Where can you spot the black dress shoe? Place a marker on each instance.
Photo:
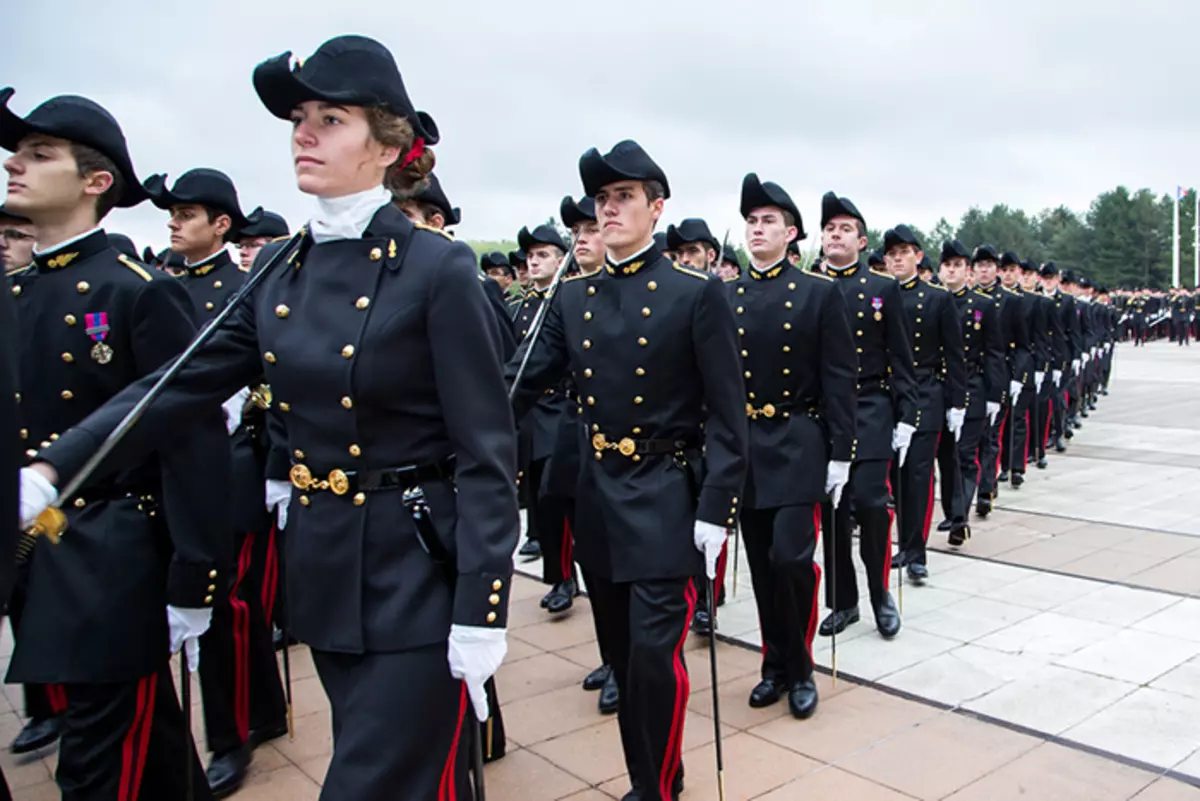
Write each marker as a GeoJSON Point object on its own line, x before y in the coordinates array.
{"type": "Point", "coordinates": [37, 734]}
{"type": "Point", "coordinates": [962, 533]}
{"type": "Point", "coordinates": [1017, 479]}
{"type": "Point", "coordinates": [1078, 424]}
{"type": "Point", "coordinates": [900, 559]}
{"type": "Point", "coordinates": [597, 678]}
{"type": "Point", "coordinates": [836, 622]}
{"type": "Point", "coordinates": [982, 509]}
{"type": "Point", "coordinates": [532, 549]}
{"type": "Point", "coordinates": [1042, 464]}
{"type": "Point", "coordinates": [265, 734]}
{"type": "Point", "coordinates": [1082, 413]}
{"type": "Point", "coordinates": [701, 624]}
{"type": "Point", "coordinates": [802, 699]}
{"type": "Point", "coordinates": [1092, 405]}
{"type": "Point", "coordinates": [946, 525]}
{"type": "Point", "coordinates": [1059, 445]}
{"type": "Point", "coordinates": [767, 692]}
{"type": "Point", "coordinates": [1003, 476]}
{"type": "Point", "coordinates": [887, 618]}
{"type": "Point", "coordinates": [227, 771]}
{"type": "Point", "coordinates": [1070, 432]}
{"type": "Point", "coordinates": [562, 597]}
{"type": "Point", "coordinates": [610, 696]}
{"type": "Point", "coordinates": [917, 572]}
{"type": "Point", "coordinates": [1105, 390]}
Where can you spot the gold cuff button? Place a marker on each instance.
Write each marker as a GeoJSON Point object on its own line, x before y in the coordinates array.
{"type": "Point", "coordinates": [355, 450]}
{"type": "Point", "coordinates": [376, 254]}
{"type": "Point", "coordinates": [282, 311]}
{"type": "Point", "coordinates": [491, 617]}
{"type": "Point", "coordinates": [497, 584]}
{"type": "Point", "coordinates": [347, 402]}
{"type": "Point", "coordinates": [362, 303]}
{"type": "Point", "coordinates": [360, 498]}
{"type": "Point", "coordinates": [494, 599]}
{"type": "Point", "coordinates": [348, 352]}
{"type": "Point", "coordinates": [269, 357]}
{"type": "Point", "coordinates": [67, 394]}
{"type": "Point", "coordinates": [68, 358]}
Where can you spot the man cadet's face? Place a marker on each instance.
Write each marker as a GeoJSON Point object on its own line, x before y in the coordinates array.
{"type": "Point", "coordinates": [589, 246]}
{"type": "Point", "coordinates": [902, 261]}
{"type": "Point", "coordinates": [543, 262]}
{"type": "Point", "coordinates": [953, 273]}
{"type": "Point", "coordinates": [248, 249]}
{"type": "Point", "coordinates": [697, 255]}
{"type": "Point", "coordinates": [43, 175]}
{"type": "Point", "coordinates": [501, 276]}
{"type": "Point", "coordinates": [626, 217]}
{"type": "Point", "coordinates": [16, 243]}
{"type": "Point", "coordinates": [840, 240]}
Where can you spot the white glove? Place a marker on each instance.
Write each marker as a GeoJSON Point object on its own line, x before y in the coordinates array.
{"type": "Point", "coordinates": [837, 474]}
{"type": "Point", "coordinates": [1076, 365]}
{"type": "Point", "coordinates": [1014, 390]}
{"type": "Point", "coordinates": [1084, 357]}
{"type": "Point", "coordinates": [37, 493]}
{"type": "Point", "coordinates": [1056, 377]}
{"type": "Point", "coordinates": [475, 654]}
{"type": "Point", "coordinates": [1039, 376]}
{"type": "Point", "coordinates": [186, 626]}
{"type": "Point", "coordinates": [993, 411]}
{"type": "Point", "coordinates": [279, 497]}
{"type": "Point", "coordinates": [1093, 351]}
{"type": "Point", "coordinates": [709, 540]}
{"type": "Point", "coordinates": [902, 438]}
{"type": "Point", "coordinates": [954, 421]}
{"type": "Point", "coordinates": [233, 409]}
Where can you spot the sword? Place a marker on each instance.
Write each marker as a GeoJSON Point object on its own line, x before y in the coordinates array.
{"type": "Point", "coordinates": [712, 660]}
{"type": "Point", "coordinates": [185, 695]}
{"type": "Point", "coordinates": [535, 329]}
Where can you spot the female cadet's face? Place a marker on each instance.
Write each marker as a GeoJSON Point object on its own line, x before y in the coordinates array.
{"type": "Point", "coordinates": [334, 152]}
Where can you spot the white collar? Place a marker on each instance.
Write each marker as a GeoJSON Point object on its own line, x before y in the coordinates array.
{"type": "Point", "coordinates": [205, 260]}
{"type": "Point", "coordinates": [37, 251]}
{"type": "Point", "coordinates": [347, 217]}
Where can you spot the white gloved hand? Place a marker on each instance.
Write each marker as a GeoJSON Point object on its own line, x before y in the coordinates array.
{"type": "Point", "coordinates": [1076, 365]}
{"type": "Point", "coordinates": [1014, 390]}
{"type": "Point", "coordinates": [37, 493]}
{"type": "Point", "coordinates": [1039, 376]}
{"type": "Point", "coordinates": [475, 654]}
{"type": "Point", "coordinates": [1056, 377]}
{"type": "Point", "coordinates": [954, 421]}
{"type": "Point", "coordinates": [1093, 351]}
{"type": "Point", "coordinates": [993, 411]}
{"type": "Point", "coordinates": [1084, 357]}
{"type": "Point", "coordinates": [186, 626]}
{"type": "Point", "coordinates": [902, 438]}
{"type": "Point", "coordinates": [279, 497]}
{"type": "Point", "coordinates": [837, 474]}
{"type": "Point", "coordinates": [709, 540]}
{"type": "Point", "coordinates": [234, 408]}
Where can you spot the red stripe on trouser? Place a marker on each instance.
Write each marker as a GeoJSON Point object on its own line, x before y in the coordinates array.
{"type": "Point", "coordinates": [144, 741]}
{"type": "Point", "coordinates": [929, 503]}
{"type": "Point", "coordinates": [131, 746]}
{"type": "Point", "coordinates": [241, 642]}
{"type": "Point", "coordinates": [270, 578]}
{"type": "Point", "coordinates": [811, 631]}
{"type": "Point", "coordinates": [999, 448]}
{"type": "Point", "coordinates": [447, 789]}
{"type": "Point", "coordinates": [568, 555]}
{"type": "Point", "coordinates": [674, 752]}
{"type": "Point", "coordinates": [56, 695]}
{"type": "Point", "coordinates": [887, 553]}
{"type": "Point", "coordinates": [1049, 415]}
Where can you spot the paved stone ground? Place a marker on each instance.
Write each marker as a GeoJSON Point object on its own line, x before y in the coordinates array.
{"type": "Point", "coordinates": [1056, 656]}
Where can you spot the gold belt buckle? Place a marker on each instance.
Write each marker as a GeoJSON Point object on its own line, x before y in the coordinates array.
{"type": "Point", "coordinates": [599, 442]}
{"type": "Point", "coordinates": [626, 447]}
{"type": "Point", "coordinates": [301, 477]}
{"type": "Point", "coordinates": [768, 410]}
{"type": "Point", "coordinates": [339, 482]}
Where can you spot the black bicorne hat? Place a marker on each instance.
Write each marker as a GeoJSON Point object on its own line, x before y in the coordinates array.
{"type": "Point", "coordinates": [1029, 266]}
{"type": "Point", "coordinates": [730, 255]}
{"type": "Point", "coordinates": [77, 120]}
{"type": "Point", "coordinates": [692, 229]}
{"type": "Point", "coordinates": [875, 258]}
{"type": "Point", "coordinates": [900, 235]}
{"type": "Point", "coordinates": [204, 187]}
{"type": "Point", "coordinates": [542, 235]}
{"type": "Point", "coordinates": [660, 241]}
{"type": "Point", "coordinates": [627, 161]}
{"type": "Point", "coordinates": [794, 247]}
{"type": "Point", "coordinates": [1009, 258]}
{"type": "Point", "coordinates": [953, 249]}
{"type": "Point", "coordinates": [757, 194]}
{"type": "Point", "coordinates": [834, 206]}
{"type": "Point", "coordinates": [925, 263]}
{"type": "Point", "coordinates": [985, 253]}
{"type": "Point", "coordinates": [516, 257]}
{"type": "Point", "coordinates": [434, 195]}
{"type": "Point", "coordinates": [267, 223]}
{"type": "Point", "coordinates": [9, 214]}
{"type": "Point", "coordinates": [573, 213]}
{"type": "Point", "coordinates": [1049, 270]}
{"type": "Point", "coordinates": [346, 70]}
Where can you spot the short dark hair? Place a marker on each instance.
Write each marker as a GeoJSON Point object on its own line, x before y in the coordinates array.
{"type": "Point", "coordinates": [654, 190]}
{"type": "Point", "coordinates": [862, 228]}
{"type": "Point", "coordinates": [89, 160]}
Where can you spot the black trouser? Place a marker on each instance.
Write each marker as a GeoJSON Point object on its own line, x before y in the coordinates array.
{"type": "Point", "coordinates": [550, 516]}
{"type": "Point", "coordinates": [1045, 409]}
{"type": "Point", "coordinates": [401, 726]}
{"type": "Point", "coordinates": [126, 741]}
{"type": "Point", "coordinates": [601, 632]}
{"type": "Point", "coordinates": [868, 492]}
{"type": "Point", "coordinates": [239, 677]}
{"type": "Point", "coordinates": [780, 544]}
{"type": "Point", "coordinates": [1018, 438]}
{"type": "Point", "coordinates": [646, 625]}
{"type": "Point", "coordinates": [42, 701]}
{"type": "Point", "coordinates": [913, 485]}
{"type": "Point", "coordinates": [266, 574]}
{"type": "Point", "coordinates": [1059, 401]}
{"type": "Point", "coordinates": [988, 456]}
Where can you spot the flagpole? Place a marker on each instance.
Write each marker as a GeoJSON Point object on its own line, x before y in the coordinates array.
{"type": "Point", "coordinates": [1196, 244]}
{"type": "Point", "coordinates": [1175, 242]}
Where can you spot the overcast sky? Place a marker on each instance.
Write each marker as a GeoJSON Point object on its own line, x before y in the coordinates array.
{"type": "Point", "coordinates": [914, 109]}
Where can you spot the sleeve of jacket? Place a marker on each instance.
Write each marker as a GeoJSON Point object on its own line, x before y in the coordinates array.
{"type": "Point", "coordinates": [1042, 346]}
{"type": "Point", "coordinates": [508, 337]}
{"type": "Point", "coordinates": [995, 366]}
{"type": "Point", "coordinates": [279, 460]}
{"type": "Point", "coordinates": [1071, 325]}
{"type": "Point", "coordinates": [547, 363]}
{"type": "Point", "coordinates": [950, 330]}
{"type": "Point", "coordinates": [900, 355]}
{"type": "Point", "coordinates": [726, 429]}
{"type": "Point", "coordinates": [469, 377]}
{"type": "Point", "coordinates": [10, 446]}
{"type": "Point", "coordinates": [839, 384]}
{"type": "Point", "coordinates": [1062, 348]}
{"type": "Point", "coordinates": [1023, 357]}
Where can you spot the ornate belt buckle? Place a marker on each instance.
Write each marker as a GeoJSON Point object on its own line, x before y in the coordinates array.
{"type": "Point", "coordinates": [261, 396]}
{"type": "Point", "coordinates": [627, 447]}
{"type": "Point", "coordinates": [339, 482]}
{"type": "Point", "coordinates": [301, 477]}
{"type": "Point", "coordinates": [768, 410]}
{"type": "Point", "coordinates": [750, 410]}
{"type": "Point", "coordinates": [599, 442]}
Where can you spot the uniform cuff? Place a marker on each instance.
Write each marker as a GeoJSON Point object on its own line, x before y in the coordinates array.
{"type": "Point", "coordinates": [718, 507]}
{"type": "Point", "coordinates": [481, 599]}
{"type": "Point", "coordinates": [192, 585]}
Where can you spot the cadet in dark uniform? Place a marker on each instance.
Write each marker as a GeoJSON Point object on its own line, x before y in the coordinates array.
{"type": "Point", "coordinates": [239, 680]}
{"type": "Point", "coordinates": [941, 393]}
{"type": "Point", "coordinates": [520, 263]}
{"type": "Point", "coordinates": [1054, 357]}
{"type": "Point", "coordinates": [16, 240]}
{"type": "Point", "coordinates": [1015, 449]}
{"type": "Point", "coordinates": [652, 347]}
{"type": "Point", "coordinates": [266, 225]}
{"type": "Point", "coordinates": [146, 549]}
{"type": "Point", "coordinates": [10, 459]}
{"type": "Point", "coordinates": [730, 268]}
{"type": "Point", "coordinates": [800, 370]}
{"type": "Point", "coordinates": [496, 267]}
{"type": "Point", "coordinates": [1068, 323]}
{"type": "Point", "coordinates": [886, 418]}
{"type": "Point", "coordinates": [1180, 309]}
{"type": "Point", "coordinates": [987, 377]}
{"type": "Point", "coordinates": [404, 515]}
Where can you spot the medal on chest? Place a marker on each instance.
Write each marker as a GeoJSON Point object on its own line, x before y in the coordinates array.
{"type": "Point", "coordinates": [877, 305]}
{"type": "Point", "coordinates": [978, 317]}
{"type": "Point", "coordinates": [97, 331]}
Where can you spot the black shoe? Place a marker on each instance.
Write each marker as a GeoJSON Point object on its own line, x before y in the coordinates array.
{"type": "Point", "coordinates": [962, 533]}
{"type": "Point", "coordinates": [597, 678]}
{"type": "Point", "coordinates": [1092, 405]}
{"type": "Point", "coordinates": [1105, 390]}
{"type": "Point", "coordinates": [36, 734]}
{"type": "Point", "coordinates": [767, 692]}
{"type": "Point", "coordinates": [227, 771]}
{"type": "Point", "coordinates": [887, 619]}
{"type": "Point", "coordinates": [609, 696]}
{"type": "Point", "coordinates": [802, 699]}
{"type": "Point", "coordinates": [701, 624]}
{"type": "Point", "coordinates": [982, 509]}
{"type": "Point", "coordinates": [562, 597]}
{"type": "Point", "coordinates": [281, 640]}
{"type": "Point", "coordinates": [1059, 445]}
{"type": "Point", "coordinates": [917, 572]}
{"type": "Point", "coordinates": [1082, 413]}
{"type": "Point", "coordinates": [1003, 476]}
{"type": "Point", "coordinates": [1070, 432]}
{"type": "Point", "coordinates": [900, 559]}
{"type": "Point", "coordinates": [836, 622]}
{"type": "Point", "coordinates": [1017, 479]}
{"type": "Point", "coordinates": [532, 549]}
{"type": "Point", "coordinates": [946, 525]}
{"type": "Point", "coordinates": [1042, 464]}
{"type": "Point", "coordinates": [265, 734]}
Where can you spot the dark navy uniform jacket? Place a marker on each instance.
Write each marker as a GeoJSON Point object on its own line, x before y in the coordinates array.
{"type": "Point", "coordinates": [1014, 331]}
{"type": "Point", "coordinates": [983, 351]}
{"type": "Point", "coordinates": [937, 352]}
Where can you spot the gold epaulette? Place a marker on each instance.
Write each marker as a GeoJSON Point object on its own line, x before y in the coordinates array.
{"type": "Point", "coordinates": [691, 272]}
{"type": "Point", "coordinates": [811, 274]}
{"type": "Point", "coordinates": [1009, 291]}
{"type": "Point", "coordinates": [733, 280]}
{"type": "Point", "coordinates": [133, 265]}
{"type": "Point", "coordinates": [982, 294]}
{"type": "Point", "coordinates": [425, 227]}
{"type": "Point", "coordinates": [281, 238]}
{"type": "Point", "coordinates": [577, 277]}
{"type": "Point", "coordinates": [936, 286]}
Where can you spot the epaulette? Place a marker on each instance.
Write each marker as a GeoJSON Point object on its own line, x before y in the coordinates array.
{"type": "Point", "coordinates": [19, 271]}
{"type": "Point", "coordinates": [733, 280]}
{"type": "Point", "coordinates": [811, 274]}
{"type": "Point", "coordinates": [691, 272]}
{"type": "Point", "coordinates": [1009, 291]}
{"type": "Point", "coordinates": [577, 277]}
{"type": "Point", "coordinates": [133, 265]}
{"type": "Point", "coordinates": [982, 294]}
{"type": "Point", "coordinates": [936, 286]}
{"type": "Point", "coordinates": [424, 227]}
{"type": "Point", "coordinates": [281, 238]}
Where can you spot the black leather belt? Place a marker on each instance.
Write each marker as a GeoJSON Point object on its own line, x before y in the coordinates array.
{"type": "Point", "coordinates": [630, 447]}
{"type": "Point", "coordinates": [343, 482]}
